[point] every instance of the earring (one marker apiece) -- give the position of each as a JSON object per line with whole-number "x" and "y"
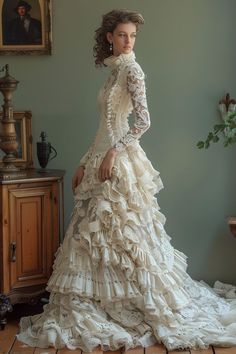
{"x": 111, "y": 47}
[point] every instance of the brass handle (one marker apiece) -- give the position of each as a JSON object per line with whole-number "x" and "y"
{"x": 13, "y": 252}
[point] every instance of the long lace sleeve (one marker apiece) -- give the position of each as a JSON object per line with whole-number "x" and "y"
{"x": 137, "y": 90}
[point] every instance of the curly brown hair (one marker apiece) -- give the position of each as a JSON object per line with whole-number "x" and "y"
{"x": 110, "y": 21}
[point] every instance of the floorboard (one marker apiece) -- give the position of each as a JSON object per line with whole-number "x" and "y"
{"x": 201, "y": 351}
{"x": 225, "y": 350}
{"x": 68, "y": 351}
{"x": 156, "y": 349}
{"x": 7, "y": 337}
{"x": 95, "y": 351}
{"x": 19, "y": 347}
{"x": 45, "y": 351}
{"x": 179, "y": 352}
{"x": 138, "y": 350}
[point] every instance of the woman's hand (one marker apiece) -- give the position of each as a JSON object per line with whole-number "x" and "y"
{"x": 105, "y": 169}
{"x": 77, "y": 178}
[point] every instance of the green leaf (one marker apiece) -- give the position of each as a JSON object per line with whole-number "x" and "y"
{"x": 233, "y": 140}
{"x": 226, "y": 143}
{"x": 215, "y": 139}
{"x": 227, "y": 129}
{"x": 200, "y": 144}
{"x": 232, "y": 125}
{"x": 232, "y": 116}
{"x": 219, "y": 127}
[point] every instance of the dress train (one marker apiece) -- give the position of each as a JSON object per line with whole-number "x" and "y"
{"x": 117, "y": 280}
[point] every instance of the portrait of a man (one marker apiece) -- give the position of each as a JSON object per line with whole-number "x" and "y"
{"x": 20, "y": 28}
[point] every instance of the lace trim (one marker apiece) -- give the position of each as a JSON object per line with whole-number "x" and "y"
{"x": 114, "y": 61}
{"x": 113, "y": 102}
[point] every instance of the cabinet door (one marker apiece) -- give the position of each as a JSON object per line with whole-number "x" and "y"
{"x": 30, "y": 235}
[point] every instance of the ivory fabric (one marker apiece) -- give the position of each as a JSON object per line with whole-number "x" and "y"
{"x": 117, "y": 280}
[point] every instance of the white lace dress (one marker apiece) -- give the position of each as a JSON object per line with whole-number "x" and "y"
{"x": 117, "y": 281}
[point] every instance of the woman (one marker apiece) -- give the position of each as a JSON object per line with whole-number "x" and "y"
{"x": 117, "y": 281}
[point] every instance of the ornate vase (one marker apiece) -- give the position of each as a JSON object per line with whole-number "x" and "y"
{"x": 8, "y": 137}
{"x": 45, "y": 151}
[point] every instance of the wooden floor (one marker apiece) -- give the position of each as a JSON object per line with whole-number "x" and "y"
{"x": 9, "y": 344}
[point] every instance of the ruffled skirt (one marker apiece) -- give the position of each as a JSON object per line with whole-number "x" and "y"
{"x": 117, "y": 281}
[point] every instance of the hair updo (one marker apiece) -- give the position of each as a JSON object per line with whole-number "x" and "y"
{"x": 110, "y": 21}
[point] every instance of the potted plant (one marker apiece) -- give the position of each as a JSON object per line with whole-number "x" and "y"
{"x": 227, "y": 128}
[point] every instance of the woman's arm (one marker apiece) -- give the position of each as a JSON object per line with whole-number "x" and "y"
{"x": 137, "y": 91}
{"x": 136, "y": 88}
{"x": 105, "y": 169}
{"x": 77, "y": 178}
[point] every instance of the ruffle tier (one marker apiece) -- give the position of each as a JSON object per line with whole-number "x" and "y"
{"x": 117, "y": 281}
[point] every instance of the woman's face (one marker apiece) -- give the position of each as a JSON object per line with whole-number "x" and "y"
{"x": 123, "y": 38}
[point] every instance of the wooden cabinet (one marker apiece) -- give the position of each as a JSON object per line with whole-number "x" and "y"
{"x": 31, "y": 223}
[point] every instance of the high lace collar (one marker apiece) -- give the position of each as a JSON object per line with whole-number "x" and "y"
{"x": 114, "y": 61}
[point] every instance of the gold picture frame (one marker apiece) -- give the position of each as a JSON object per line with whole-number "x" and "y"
{"x": 24, "y": 153}
{"x": 30, "y": 36}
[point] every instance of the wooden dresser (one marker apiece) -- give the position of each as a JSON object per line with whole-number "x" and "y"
{"x": 31, "y": 226}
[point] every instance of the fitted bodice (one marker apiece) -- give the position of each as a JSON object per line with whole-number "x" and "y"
{"x": 102, "y": 140}
{"x": 122, "y": 93}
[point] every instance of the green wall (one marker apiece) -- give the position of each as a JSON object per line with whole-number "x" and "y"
{"x": 187, "y": 50}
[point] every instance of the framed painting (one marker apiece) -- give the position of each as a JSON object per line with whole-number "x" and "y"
{"x": 25, "y": 27}
{"x": 24, "y": 152}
